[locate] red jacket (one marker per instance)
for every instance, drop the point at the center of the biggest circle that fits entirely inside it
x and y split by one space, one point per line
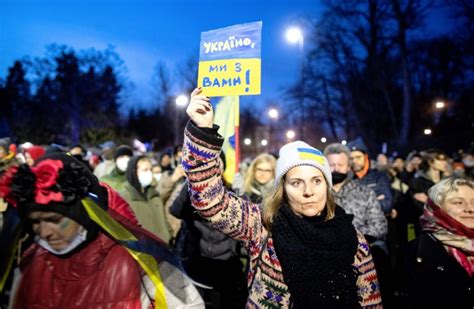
102 275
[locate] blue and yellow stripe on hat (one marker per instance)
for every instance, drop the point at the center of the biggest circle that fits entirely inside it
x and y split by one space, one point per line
311 154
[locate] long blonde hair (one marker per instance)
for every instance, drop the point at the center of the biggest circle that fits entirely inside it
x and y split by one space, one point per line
273 202
250 175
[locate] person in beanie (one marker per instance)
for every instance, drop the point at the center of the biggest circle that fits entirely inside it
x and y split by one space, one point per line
304 250
117 178
372 178
88 250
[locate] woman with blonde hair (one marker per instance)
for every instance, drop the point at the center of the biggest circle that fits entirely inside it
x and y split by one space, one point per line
259 177
304 251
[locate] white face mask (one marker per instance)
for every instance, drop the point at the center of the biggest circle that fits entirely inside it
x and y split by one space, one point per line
157 176
145 178
78 239
122 163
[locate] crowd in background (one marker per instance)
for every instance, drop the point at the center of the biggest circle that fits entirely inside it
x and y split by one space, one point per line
387 195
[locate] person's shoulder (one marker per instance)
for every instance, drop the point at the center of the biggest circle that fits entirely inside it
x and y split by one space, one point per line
117 259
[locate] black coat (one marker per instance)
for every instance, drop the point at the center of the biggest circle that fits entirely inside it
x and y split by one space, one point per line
435 279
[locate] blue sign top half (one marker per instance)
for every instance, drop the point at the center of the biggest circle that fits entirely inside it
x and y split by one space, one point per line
239 41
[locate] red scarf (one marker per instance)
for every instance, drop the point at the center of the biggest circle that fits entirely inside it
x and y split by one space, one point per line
457 238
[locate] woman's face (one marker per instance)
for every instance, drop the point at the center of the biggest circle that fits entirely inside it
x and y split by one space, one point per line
306 190
264 173
459 204
57 230
440 165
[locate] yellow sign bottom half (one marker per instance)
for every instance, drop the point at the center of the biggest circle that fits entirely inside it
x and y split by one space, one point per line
230 77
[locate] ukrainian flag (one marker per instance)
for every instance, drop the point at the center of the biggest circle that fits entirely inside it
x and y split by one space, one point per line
227 116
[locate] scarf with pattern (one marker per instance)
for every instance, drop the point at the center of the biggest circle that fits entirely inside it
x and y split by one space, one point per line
456 238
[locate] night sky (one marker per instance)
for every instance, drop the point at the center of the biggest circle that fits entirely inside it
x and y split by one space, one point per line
145 32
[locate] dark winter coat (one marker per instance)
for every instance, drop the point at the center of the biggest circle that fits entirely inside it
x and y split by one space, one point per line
380 184
435 279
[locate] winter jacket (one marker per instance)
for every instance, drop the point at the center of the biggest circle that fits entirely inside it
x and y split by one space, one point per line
116 179
362 202
210 243
380 184
102 275
242 220
435 279
149 210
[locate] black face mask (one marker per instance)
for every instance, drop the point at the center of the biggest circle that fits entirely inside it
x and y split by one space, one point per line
338 177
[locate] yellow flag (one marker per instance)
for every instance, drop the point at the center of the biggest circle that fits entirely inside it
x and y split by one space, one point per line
227 117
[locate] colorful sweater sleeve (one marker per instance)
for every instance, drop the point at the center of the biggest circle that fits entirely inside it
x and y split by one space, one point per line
228 213
367 281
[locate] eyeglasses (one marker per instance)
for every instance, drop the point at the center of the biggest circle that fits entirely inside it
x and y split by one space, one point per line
264 170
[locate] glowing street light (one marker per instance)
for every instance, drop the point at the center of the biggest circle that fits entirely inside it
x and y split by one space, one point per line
264 142
273 113
427 132
344 142
181 100
439 105
247 141
290 134
294 35
323 140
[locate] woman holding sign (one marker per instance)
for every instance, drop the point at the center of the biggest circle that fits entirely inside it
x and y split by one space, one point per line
304 251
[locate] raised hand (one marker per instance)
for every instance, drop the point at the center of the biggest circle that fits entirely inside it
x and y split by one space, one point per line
200 109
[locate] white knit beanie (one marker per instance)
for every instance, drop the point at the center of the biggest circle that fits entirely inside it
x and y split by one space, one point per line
299 153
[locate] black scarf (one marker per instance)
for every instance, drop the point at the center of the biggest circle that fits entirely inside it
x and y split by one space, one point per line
316 258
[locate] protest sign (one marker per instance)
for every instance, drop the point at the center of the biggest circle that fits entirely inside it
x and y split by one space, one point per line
230 60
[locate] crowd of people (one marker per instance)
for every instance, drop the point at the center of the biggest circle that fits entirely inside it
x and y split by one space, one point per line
304 228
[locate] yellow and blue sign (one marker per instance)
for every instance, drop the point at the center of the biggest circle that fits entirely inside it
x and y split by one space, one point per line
230 60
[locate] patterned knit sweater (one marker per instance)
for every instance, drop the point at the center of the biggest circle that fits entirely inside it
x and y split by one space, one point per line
242 220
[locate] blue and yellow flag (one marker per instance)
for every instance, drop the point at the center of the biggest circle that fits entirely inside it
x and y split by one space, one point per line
227 116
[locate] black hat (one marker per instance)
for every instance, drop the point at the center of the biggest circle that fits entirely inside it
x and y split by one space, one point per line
357 145
123 150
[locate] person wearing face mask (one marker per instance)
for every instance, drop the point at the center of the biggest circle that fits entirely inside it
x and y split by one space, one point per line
87 250
304 251
117 178
355 198
361 201
145 201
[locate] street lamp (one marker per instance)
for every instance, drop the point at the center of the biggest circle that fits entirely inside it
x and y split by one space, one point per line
344 142
264 142
290 134
439 105
295 35
180 101
247 141
427 132
273 113
323 140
